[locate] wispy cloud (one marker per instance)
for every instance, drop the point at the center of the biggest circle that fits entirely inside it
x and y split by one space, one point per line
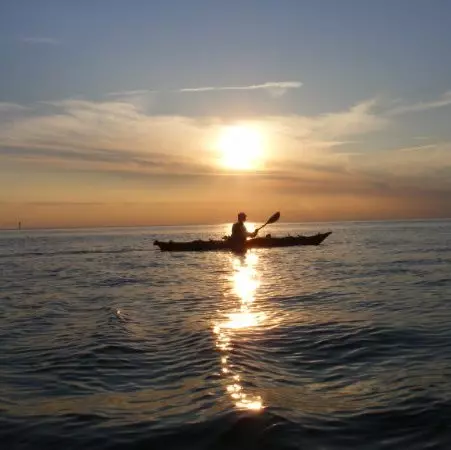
75 130
276 88
417 148
119 137
444 100
6 107
40 40
130 93
105 136
412 166
314 134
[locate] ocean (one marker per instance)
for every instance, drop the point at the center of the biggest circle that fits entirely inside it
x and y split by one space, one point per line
108 343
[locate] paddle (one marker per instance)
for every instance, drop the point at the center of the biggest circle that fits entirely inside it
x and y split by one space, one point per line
274 218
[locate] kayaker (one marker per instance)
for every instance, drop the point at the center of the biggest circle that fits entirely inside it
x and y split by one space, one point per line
239 231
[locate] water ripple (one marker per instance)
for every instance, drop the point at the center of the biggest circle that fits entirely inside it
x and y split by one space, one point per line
109 344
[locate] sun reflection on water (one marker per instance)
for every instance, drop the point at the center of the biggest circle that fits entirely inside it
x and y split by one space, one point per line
245 282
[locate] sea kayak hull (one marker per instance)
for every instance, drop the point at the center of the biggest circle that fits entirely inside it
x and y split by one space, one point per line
260 242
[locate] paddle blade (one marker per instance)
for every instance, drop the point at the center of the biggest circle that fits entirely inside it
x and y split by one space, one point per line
274 218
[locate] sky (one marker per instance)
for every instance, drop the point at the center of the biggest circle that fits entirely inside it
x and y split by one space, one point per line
122 112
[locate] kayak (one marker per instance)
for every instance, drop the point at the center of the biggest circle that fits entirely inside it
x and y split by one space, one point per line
227 244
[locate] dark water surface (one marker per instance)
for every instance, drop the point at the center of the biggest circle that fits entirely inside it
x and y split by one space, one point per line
107 343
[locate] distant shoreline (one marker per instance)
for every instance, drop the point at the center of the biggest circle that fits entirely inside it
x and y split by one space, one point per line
430 219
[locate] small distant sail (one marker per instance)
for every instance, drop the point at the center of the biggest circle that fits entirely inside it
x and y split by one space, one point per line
19 225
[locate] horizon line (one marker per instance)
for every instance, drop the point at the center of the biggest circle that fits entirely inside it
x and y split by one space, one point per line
89 227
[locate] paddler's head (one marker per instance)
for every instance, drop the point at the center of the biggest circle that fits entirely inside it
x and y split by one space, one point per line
242 217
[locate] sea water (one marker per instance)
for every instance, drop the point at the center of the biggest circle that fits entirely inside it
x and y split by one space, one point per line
108 343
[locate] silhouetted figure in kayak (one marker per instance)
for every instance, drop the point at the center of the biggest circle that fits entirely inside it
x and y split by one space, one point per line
239 232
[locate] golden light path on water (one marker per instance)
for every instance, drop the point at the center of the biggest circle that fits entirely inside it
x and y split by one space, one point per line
245 283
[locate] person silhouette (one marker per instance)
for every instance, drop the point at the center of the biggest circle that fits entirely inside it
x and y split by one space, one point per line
239 231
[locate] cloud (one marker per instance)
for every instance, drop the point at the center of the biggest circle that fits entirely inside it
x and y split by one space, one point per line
130 93
6 107
325 152
312 137
417 148
142 99
358 120
121 163
275 88
116 135
105 136
40 40
443 101
425 167
57 204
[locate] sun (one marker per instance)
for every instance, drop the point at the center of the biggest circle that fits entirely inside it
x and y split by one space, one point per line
241 147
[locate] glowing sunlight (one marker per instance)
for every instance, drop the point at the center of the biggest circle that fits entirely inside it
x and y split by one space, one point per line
244 282
241 147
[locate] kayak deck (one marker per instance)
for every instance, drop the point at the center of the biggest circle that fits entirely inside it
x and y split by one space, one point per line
225 244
